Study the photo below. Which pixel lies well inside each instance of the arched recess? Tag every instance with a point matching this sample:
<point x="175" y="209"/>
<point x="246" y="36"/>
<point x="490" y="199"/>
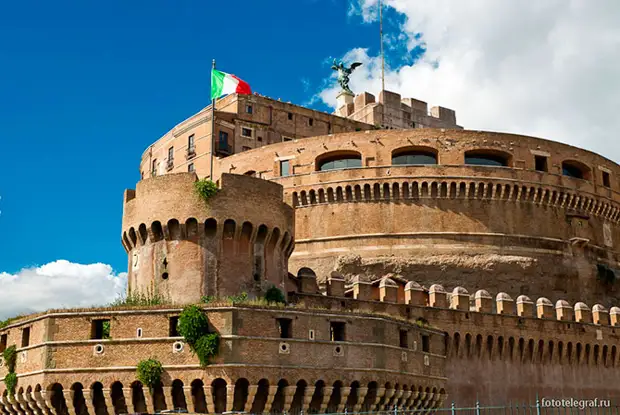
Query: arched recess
<point x="210" y="228"/>
<point x="157" y="234"/>
<point x="488" y="157"/>
<point x="99" y="399"/>
<point x="133" y="237"/>
<point x="178" y="395"/>
<point x="58" y="399"/>
<point x="414" y="155"/>
<point x="79" y="403"/>
<point x="174" y="229"/>
<point x="576" y="169"/>
<point x="118" y="399"/>
<point x="371" y="397"/>
<point x="143" y="233"/>
<point x="159" y="399"/>
<point x="353" y="396"/>
<point x="198" y="396"/>
<point x="298" y="398"/>
<point x="137" y="397"/>
<point x="246" y="236"/>
<point x="262" y="393"/>
<point x="258" y="267"/>
<point x="278" y="400"/>
<point x="250" y="173"/>
<point x="334" y="400"/>
<point x="191" y="229"/>
<point x="317" y="397"/>
<point x="241" y="395"/>
<point x="340" y="159"/>
<point x="218" y="387"/>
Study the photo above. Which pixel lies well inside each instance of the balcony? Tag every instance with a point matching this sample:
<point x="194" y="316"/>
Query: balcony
<point x="223" y="149"/>
<point x="191" y="153"/>
<point x="169" y="164"/>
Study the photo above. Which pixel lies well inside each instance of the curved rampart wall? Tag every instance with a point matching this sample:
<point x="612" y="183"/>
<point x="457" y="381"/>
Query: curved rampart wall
<point x="182" y="247"/>
<point x="459" y="224"/>
<point x="499" y="348"/>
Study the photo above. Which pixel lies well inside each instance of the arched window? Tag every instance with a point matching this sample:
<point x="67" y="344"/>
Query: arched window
<point x="487" y="158"/>
<point x="414" y="156"/>
<point x="339" y="160"/>
<point x="575" y="169"/>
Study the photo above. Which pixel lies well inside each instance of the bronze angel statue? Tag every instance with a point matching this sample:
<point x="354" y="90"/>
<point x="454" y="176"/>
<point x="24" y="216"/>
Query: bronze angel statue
<point x="344" y="73"/>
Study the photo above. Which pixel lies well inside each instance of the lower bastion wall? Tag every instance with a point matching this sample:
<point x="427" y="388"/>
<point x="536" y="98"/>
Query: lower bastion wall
<point x="497" y="349"/>
<point x="311" y="366"/>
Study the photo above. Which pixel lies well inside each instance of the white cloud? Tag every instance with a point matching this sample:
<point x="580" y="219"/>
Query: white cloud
<point x="548" y="68"/>
<point x="59" y="284"/>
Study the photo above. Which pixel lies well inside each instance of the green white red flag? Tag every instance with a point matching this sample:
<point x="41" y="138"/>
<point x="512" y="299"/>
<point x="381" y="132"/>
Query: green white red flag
<point x="223" y="83"/>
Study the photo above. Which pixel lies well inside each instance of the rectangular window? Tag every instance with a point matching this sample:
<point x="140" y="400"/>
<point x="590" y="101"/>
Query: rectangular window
<point x="404" y="339"/>
<point x="100" y="329"/>
<point x="248" y="109"/>
<point x="171" y="154"/>
<point x="310" y="122"/>
<point x="246" y="132"/>
<point x="190" y="167"/>
<point x="606" y="179"/>
<point x="285" y="326"/>
<point x="191" y="146"/>
<point x="173" y="327"/>
<point x="290" y="116"/>
<point x="154" y="167"/>
<point x="336" y="331"/>
<point x="222" y="144"/>
<point x="285" y="168"/>
<point x="541" y="163"/>
<point x="426" y="344"/>
<point x="25" y="336"/>
<point x="3" y="341"/>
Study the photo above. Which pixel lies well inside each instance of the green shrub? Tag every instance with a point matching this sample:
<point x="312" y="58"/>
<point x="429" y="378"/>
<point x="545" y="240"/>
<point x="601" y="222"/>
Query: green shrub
<point x="149" y="372"/>
<point x="206" y="188"/>
<point x="206" y="299"/>
<point x="274" y="295"/>
<point x="10" y="357"/>
<point x="9" y="320"/>
<point x="193" y="324"/>
<point x="105" y="330"/>
<point x="207" y="347"/>
<point x="10" y="380"/>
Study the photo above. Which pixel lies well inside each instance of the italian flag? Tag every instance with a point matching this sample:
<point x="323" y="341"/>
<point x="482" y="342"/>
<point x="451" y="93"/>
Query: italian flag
<point x="223" y="83"/>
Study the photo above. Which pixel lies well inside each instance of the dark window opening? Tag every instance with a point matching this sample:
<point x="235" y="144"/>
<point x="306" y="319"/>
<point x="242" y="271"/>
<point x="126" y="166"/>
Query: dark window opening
<point x="164" y="276"/>
<point x="287" y="139"/>
<point x="404" y="339"/>
<point x="285" y="168"/>
<point x="310" y="122"/>
<point x="486" y="159"/>
<point x="573" y="170"/>
<point x="25" y="337"/>
<point x="414" y="158"/>
<point x="336" y="331"/>
<point x="346" y="162"/>
<point x="290" y="115"/>
<point x="285" y="327"/>
<point x="100" y="329"/>
<point x="190" y="167"/>
<point x="190" y="144"/>
<point x="249" y="109"/>
<point x="426" y="344"/>
<point x="606" y="179"/>
<point x="246" y="132"/>
<point x="3" y="342"/>
<point x="260" y="139"/>
<point x="154" y="167"/>
<point x="173" y="327"/>
<point x="541" y="163"/>
<point x="222" y="144"/>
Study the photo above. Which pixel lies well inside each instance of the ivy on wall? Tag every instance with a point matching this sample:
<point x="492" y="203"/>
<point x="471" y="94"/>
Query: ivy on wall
<point x="194" y="327"/>
<point x="10" y="358"/>
<point x="206" y="188"/>
<point x="149" y="372"/>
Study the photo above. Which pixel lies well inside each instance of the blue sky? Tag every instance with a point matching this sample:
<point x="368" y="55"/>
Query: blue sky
<point x="85" y="87"/>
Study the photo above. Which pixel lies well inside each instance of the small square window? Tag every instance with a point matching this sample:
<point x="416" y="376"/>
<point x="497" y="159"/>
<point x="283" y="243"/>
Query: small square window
<point x="285" y="327"/>
<point x="285" y="168"/>
<point x="260" y="139"/>
<point x="25" y="336"/>
<point x="541" y="163"/>
<point x="100" y="329"/>
<point x="173" y="327"/>
<point x="404" y="339"/>
<point x="426" y="343"/>
<point x="290" y="116"/>
<point x="190" y="167"/>
<point x="248" y="109"/>
<point x="310" y="122"/>
<point x="3" y="342"/>
<point x="246" y="132"/>
<point x="606" y="179"/>
<point x="336" y="331"/>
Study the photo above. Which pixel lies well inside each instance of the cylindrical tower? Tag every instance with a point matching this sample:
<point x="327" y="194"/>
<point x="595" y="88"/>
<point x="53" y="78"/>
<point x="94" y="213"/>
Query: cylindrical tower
<point x="182" y="247"/>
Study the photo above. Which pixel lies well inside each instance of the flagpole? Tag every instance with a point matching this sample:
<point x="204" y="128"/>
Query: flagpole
<point x="212" y="122"/>
<point x="382" y="59"/>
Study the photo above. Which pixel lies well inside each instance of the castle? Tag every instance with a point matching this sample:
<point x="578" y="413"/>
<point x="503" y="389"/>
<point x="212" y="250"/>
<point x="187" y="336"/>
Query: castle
<point x="422" y="264"/>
